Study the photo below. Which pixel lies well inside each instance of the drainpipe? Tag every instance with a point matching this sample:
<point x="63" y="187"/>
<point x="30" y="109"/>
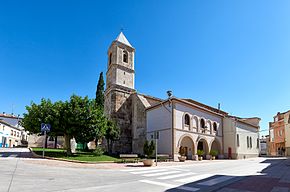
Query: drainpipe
<point x="223" y="142"/>
<point x="172" y="127"/>
<point x="172" y="122"/>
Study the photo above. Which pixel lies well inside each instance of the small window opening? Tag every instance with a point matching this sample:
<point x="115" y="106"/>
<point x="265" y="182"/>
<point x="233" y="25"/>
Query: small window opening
<point x="215" y="126"/>
<point x="110" y="58"/>
<point x="125" y="56"/>
<point x="186" y="119"/>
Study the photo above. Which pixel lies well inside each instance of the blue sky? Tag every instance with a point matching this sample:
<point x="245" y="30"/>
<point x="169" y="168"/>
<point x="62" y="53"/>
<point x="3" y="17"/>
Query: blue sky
<point x="231" y="52"/>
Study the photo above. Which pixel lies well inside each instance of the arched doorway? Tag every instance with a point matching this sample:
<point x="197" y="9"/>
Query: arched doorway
<point x="202" y="145"/>
<point x="215" y="145"/>
<point x="188" y="145"/>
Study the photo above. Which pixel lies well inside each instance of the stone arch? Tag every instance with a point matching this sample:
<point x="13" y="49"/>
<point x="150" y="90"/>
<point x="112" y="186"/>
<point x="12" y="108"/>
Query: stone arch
<point x="202" y="144"/>
<point x="216" y="145"/>
<point x="209" y="126"/>
<point x="184" y="126"/>
<point x="215" y="127"/>
<point x="187" y="142"/>
<point x="195" y="123"/>
<point x="202" y="125"/>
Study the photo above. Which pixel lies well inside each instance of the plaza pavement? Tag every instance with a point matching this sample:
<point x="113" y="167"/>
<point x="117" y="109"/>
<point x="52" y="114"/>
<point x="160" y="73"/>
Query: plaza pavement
<point x="20" y="172"/>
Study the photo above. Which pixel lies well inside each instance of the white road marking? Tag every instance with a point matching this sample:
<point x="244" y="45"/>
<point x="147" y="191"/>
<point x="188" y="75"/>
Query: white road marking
<point x="150" y="171"/>
<point x="216" y="180"/>
<point x="194" y="178"/>
<point x="175" y="176"/>
<point x="162" y="173"/>
<point x="13" y="155"/>
<point x="138" y="169"/>
<point x="167" y="185"/>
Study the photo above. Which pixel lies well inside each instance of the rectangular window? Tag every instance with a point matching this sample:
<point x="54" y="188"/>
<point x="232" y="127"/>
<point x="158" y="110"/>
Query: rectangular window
<point x="238" y="140"/>
<point x="257" y="142"/>
<point x="271" y="135"/>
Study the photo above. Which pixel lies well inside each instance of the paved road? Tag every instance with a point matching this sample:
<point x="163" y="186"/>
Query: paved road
<point x="18" y="172"/>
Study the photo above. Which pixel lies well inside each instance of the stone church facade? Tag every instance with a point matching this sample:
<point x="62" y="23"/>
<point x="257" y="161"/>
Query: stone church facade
<point x="179" y="122"/>
<point x="122" y="103"/>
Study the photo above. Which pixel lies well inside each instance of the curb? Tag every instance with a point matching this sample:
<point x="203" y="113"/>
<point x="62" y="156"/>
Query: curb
<point x="67" y="160"/>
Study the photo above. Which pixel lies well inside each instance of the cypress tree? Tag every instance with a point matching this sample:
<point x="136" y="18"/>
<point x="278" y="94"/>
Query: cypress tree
<point x="100" y="92"/>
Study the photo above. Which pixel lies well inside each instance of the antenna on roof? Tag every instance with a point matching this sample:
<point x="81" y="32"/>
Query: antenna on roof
<point x="219" y="107"/>
<point x="169" y="93"/>
<point x="12" y="109"/>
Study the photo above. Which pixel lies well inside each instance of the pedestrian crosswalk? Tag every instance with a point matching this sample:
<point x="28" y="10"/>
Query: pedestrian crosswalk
<point x="181" y="179"/>
<point x="8" y="155"/>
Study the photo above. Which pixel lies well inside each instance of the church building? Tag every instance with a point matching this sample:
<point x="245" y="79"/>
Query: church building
<point x="178" y="122"/>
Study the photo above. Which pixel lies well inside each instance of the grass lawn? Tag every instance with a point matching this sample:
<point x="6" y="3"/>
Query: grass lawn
<point x="79" y="156"/>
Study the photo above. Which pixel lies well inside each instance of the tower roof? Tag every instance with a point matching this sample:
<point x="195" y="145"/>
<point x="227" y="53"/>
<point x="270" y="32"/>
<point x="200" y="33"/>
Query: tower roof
<point x="122" y="39"/>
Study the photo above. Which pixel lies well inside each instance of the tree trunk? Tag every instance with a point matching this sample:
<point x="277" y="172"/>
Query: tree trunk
<point x="55" y="142"/>
<point x="111" y="147"/>
<point x="67" y="139"/>
<point x="108" y="145"/>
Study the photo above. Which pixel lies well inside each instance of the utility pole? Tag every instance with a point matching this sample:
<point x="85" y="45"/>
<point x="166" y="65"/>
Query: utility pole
<point x="156" y="135"/>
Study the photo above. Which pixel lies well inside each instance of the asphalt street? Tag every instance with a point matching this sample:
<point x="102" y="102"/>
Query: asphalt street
<point x="20" y="172"/>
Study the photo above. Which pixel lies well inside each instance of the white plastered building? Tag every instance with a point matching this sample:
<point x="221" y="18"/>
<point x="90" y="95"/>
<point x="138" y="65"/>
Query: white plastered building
<point x="179" y="122"/>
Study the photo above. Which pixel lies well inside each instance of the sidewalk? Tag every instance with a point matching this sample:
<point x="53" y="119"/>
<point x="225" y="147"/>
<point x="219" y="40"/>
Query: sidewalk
<point x="51" y="162"/>
<point x="275" y="178"/>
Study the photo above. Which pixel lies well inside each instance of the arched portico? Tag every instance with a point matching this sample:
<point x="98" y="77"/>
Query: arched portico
<point x="188" y="144"/>
<point x="216" y="145"/>
<point x="203" y="145"/>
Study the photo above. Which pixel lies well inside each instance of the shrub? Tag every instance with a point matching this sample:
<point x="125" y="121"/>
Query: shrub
<point x="98" y="151"/>
<point x="213" y="152"/>
<point x="182" y="151"/>
<point x="200" y="152"/>
<point x="148" y="148"/>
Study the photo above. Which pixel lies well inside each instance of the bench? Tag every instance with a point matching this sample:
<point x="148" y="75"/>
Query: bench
<point x="129" y="158"/>
<point x="164" y="157"/>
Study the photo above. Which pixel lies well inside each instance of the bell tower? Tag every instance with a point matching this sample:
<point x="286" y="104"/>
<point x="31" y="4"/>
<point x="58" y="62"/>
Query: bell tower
<point x="120" y="79"/>
<point x="120" y="74"/>
<point x="121" y="63"/>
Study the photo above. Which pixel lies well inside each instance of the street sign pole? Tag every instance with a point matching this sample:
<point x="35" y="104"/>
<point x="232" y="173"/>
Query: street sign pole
<point x="156" y="136"/>
<point x="156" y="149"/>
<point x="44" y="128"/>
<point x="44" y="144"/>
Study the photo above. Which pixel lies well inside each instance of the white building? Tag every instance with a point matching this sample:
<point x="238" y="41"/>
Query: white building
<point x="195" y="126"/>
<point x="180" y="122"/>
<point x="11" y="132"/>
<point x="241" y="137"/>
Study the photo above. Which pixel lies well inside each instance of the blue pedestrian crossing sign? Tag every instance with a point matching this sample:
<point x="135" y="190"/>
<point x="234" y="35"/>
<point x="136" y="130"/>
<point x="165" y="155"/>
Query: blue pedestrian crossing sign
<point x="45" y="127"/>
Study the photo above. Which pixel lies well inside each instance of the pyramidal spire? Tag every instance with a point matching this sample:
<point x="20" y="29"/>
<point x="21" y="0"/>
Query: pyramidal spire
<point x="122" y="39"/>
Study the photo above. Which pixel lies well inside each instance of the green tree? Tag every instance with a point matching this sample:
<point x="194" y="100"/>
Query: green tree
<point x="100" y="92"/>
<point x="77" y="118"/>
<point x="37" y="114"/>
<point x="112" y="134"/>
